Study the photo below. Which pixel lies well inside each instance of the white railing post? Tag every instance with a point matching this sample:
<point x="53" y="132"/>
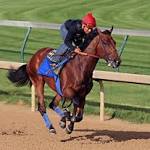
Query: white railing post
<point x="32" y="98"/>
<point x="101" y="100"/>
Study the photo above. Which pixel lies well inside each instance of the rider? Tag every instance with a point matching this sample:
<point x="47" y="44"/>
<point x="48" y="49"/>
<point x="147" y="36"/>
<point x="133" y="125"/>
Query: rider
<point x="73" y="33"/>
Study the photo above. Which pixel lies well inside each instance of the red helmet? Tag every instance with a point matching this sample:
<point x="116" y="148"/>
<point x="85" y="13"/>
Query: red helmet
<point x="89" y="20"/>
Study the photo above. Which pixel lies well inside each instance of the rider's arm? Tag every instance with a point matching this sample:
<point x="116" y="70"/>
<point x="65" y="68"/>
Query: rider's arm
<point x="69" y="38"/>
<point x="73" y="27"/>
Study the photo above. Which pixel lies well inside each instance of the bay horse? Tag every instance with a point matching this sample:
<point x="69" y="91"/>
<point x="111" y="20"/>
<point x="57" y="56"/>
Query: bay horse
<point x="75" y="77"/>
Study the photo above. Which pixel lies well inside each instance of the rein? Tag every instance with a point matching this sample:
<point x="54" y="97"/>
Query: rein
<point x="96" y="56"/>
<point x="87" y="54"/>
<point x="91" y="55"/>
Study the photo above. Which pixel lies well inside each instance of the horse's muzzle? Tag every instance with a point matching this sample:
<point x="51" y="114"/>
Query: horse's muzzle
<point x="114" y="64"/>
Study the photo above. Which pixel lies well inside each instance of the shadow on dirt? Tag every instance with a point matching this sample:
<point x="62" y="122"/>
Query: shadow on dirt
<point x="107" y="136"/>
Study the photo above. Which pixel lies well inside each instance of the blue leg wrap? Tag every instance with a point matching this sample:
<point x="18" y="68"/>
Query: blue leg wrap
<point x="59" y="111"/>
<point x="47" y="121"/>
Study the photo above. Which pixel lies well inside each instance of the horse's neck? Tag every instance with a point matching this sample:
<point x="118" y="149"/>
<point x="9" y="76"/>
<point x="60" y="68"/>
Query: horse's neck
<point x="88" y="64"/>
<point x="85" y="65"/>
<point x="90" y="61"/>
<point x="92" y="47"/>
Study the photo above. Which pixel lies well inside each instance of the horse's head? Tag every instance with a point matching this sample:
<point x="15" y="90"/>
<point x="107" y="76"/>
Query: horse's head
<point x="106" y="48"/>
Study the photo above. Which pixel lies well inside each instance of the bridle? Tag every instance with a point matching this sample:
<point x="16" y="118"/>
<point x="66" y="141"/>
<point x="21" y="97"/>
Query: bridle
<point x="96" y="56"/>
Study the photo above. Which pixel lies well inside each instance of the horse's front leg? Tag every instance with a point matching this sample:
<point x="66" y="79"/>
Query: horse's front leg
<point x="70" y="126"/>
<point x="77" y="115"/>
<point x="54" y="106"/>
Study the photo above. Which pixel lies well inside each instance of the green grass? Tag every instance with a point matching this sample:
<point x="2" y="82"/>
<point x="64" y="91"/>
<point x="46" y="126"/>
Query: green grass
<point x="125" y="101"/>
<point x="126" y="14"/>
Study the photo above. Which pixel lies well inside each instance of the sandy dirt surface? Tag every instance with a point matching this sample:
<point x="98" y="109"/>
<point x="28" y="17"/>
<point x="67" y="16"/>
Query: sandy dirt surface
<point x="21" y="129"/>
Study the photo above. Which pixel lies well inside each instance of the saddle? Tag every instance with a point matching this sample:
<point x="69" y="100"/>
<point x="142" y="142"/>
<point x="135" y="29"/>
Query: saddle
<point x="54" y="57"/>
<point x="47" y="69"/>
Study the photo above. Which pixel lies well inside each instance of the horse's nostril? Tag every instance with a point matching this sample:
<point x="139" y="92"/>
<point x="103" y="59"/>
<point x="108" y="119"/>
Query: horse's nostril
<point x="118" y="63"/>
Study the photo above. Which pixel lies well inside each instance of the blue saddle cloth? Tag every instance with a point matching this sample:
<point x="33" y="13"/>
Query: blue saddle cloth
<point x="46" y="69"/>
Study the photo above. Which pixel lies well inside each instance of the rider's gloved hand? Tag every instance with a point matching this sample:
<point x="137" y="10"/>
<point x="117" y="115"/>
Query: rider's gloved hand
<point x="77" y="50"/>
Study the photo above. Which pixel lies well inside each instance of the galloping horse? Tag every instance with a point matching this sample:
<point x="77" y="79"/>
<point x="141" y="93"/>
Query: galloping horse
<point x="75" y="77"/>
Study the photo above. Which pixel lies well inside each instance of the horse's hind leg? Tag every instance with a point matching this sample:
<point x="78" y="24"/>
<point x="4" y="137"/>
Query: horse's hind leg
<point x="54" y="106"/>
<point x="39" y="86"/>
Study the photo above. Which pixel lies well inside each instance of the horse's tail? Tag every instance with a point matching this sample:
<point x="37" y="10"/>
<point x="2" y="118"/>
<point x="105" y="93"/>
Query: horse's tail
<point x="19" y="77"/>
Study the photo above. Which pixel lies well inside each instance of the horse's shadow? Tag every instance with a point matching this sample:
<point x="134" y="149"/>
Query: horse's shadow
<point x="107" y="136"/>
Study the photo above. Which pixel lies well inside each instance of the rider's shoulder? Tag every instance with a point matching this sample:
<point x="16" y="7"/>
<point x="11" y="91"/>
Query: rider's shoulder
<point x="75" y="24"/>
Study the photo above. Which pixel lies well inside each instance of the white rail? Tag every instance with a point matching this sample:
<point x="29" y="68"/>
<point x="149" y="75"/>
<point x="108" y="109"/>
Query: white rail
<point x="54" y="26"/>
<point x="98" y="75"/>
<point x="117" y="77"/>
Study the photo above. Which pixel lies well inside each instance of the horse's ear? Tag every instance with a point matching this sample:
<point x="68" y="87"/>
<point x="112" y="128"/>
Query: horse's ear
<point x="111" y="29"/>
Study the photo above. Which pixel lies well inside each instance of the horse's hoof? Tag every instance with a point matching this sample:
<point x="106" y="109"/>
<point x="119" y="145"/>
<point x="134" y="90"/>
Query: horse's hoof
<point x="52" y="130"/>
<point x="68" y="131"/>
<point x="62" y="124"/>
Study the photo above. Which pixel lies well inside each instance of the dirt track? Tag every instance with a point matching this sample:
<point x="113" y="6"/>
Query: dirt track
<point x="21" y="129"/>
